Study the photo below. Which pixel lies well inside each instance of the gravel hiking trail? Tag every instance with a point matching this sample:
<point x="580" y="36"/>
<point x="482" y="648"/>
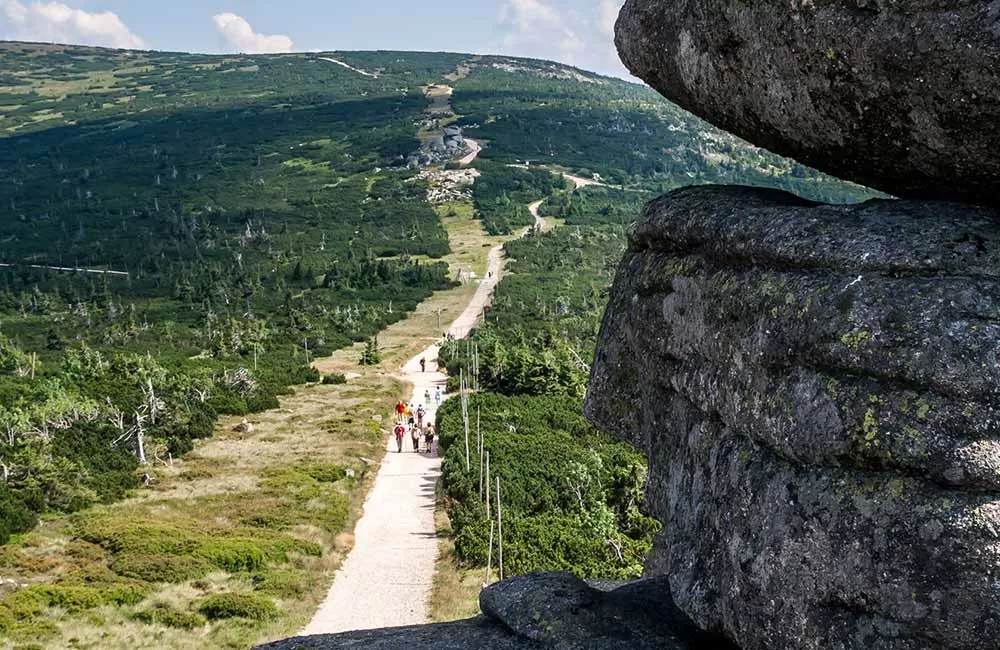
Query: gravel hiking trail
<point x="386" y="579"/>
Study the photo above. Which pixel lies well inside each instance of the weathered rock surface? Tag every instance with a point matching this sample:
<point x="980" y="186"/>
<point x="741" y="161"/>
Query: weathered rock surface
<point x="900" y="95"/>
<point x="538" y="612"/>
<point x="818" y="389"/>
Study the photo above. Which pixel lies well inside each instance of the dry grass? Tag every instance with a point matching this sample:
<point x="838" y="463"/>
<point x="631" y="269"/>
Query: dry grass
<point x="455" y="593"/>
<point x="469" y="242"/>
<point x="225" y="480"/>
<point x="214" y="488"/>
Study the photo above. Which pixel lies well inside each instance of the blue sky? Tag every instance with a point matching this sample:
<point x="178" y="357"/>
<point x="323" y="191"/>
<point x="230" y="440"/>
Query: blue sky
<point x="576" y="32"/>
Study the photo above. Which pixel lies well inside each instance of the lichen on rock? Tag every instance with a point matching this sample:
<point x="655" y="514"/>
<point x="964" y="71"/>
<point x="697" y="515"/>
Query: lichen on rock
<point x="819" y="401"/>
<point x="903" y="96"/>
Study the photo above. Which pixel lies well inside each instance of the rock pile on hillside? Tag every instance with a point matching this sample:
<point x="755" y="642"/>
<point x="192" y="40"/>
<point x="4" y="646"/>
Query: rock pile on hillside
<point x="903" y="96"/>
<point x="448" y="185"/>
<point x="449" y="145"/>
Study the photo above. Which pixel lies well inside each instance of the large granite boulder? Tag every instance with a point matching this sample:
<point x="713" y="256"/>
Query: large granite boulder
<point x="818" y="389"/>
<point x="543" y="611"/>
<point x="900" y="95"/>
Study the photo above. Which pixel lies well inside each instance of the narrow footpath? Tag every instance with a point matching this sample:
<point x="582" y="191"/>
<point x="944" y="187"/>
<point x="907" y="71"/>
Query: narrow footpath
<point x="540" y="222"/>
<point x="348" y="66"/>
<point x="386" y="579"/>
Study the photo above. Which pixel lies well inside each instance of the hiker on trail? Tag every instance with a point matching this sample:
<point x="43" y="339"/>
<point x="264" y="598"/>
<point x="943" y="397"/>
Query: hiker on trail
<point x="420" y="415"/>
<point x="415" y="437"/>
<point x="400" y="411"/>
<point x="427" y="396"/>
<point x="423" y="364"/>
<point x="400" y="431"/>
<point x="437" y="396"/>
<point x="410" y="415"/>
<point x="429" y="439"/>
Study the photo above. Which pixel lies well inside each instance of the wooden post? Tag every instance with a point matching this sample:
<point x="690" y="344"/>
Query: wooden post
<point x="479" y="450"/>
<point x="465" y="422"/>
<point x="488" y="488"/>
<point x="475" y="365"/>
<point x="500" y="529"/>
<point x="489" y="555"/>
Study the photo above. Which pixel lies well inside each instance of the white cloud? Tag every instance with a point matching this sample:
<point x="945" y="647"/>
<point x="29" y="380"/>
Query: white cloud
<point x="607" y="15"/>
<point x="533" y="26"/>
<point x="56" y="22"/>
<point x="580" y="34"/>
<point x="240" y="35"/>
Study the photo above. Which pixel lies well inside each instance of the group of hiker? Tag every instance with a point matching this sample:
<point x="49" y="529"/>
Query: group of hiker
<point x="411" y="420"/>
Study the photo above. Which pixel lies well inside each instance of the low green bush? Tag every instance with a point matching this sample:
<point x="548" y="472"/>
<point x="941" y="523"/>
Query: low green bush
<point x="123" y="535"/>
<point x="571" y="495"/>
<point x="124" y="594"/>
<point x="334" y="379"/>
<point x="234" y="555"/>
<point x="7" y="620"/>
<point x="25" y="604"/>
<point x="236" y="605"/>
<point x="71" y="598"/>
<point x="165" y="615"/>
<point x="153" y="551"/>
<point x="259" y="403"/>
<point x="158" y="568"/>
<point x="325" y="473"/>
<point x="18" y="511"/>
<point x="283" y="584"/>
<point x="227" y="403"/>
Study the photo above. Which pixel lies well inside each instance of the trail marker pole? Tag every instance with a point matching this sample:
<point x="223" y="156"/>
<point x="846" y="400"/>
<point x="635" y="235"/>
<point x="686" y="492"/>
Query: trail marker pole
<point x="465" y="422"/>
<point x="479" y="450"/>
<point x="500" y="528"/>
<point x="489" y="555"/>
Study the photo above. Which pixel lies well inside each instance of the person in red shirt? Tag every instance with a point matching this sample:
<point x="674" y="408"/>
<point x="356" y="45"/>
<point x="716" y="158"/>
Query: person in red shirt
<point x="400" y="432"/>
<point x="400" y="411"/>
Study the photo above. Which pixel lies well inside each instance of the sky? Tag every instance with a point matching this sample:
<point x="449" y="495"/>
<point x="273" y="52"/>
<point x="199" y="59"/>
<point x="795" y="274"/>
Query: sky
<point x="576" y="32"/>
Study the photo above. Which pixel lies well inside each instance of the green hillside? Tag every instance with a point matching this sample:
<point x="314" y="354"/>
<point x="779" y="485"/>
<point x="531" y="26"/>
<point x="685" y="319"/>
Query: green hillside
<point x="181" y="235"/>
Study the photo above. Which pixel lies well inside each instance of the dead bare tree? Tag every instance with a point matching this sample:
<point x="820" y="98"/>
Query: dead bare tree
<point x="154" y="405"/>
<point x="140" y="436"/>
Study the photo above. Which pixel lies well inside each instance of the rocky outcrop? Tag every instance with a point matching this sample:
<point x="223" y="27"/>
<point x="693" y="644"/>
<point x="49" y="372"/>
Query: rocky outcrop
<point x="903" y="96"/>
<point x="818" y="389"/>
<point x="542" y="611"/>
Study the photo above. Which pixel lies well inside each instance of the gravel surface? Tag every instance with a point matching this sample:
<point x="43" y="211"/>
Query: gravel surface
<point x="386" y="579"/>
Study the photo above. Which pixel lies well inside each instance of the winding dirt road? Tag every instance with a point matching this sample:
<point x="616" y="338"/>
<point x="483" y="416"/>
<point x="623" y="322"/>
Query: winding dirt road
<point x="471" y="158"/>
<point x="540" y="222"/>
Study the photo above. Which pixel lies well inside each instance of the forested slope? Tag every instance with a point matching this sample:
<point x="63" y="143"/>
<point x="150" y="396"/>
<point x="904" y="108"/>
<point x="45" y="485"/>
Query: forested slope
<point x="241" y="204"/>
<point x="180" y="235"/>
<point x="572" y="494"/>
